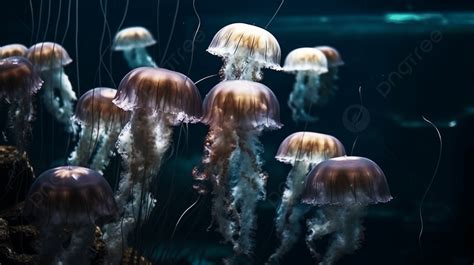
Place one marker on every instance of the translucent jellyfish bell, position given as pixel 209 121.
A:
pixel 303 150
pixel 306 59
pixel 246 104
pixel 310 147
pixel 342 188
pixel 12 50
pixel 58 96
pixel 346 180
pixel 246 49
pixel 101 122
pixel 65 203
pixel 132 42
pixel 332 55
pixel 18 83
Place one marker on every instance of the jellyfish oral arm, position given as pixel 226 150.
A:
pixel 305 89
pixel 88 137
pixel 138 57
pixel 106 146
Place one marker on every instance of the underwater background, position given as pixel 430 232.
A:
pixel 376 40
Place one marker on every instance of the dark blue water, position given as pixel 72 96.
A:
pixel 407 59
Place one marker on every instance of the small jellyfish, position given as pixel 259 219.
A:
pixel 18 83
pixel 158 99
pixel 58 96
pixel 133 42
pixel 342 188
pixel 245 50
pixel 308 64
pixel 237 112
pixel 65 203
pixel 12 50
pixel 303 150
pixel 328 80
pixel 101 122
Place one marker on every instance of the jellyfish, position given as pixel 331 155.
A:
pixel 133 42
pixel 65 203
pixel 245 50
pixel 303 150
pixel 158 99
pixel 58 96
pixel 328 87
pixel 342 188
pixel 237 112
pixel 101 122
pixel 18 83
pixel 308 64
pixel 13 50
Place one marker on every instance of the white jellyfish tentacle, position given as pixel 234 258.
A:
pixel 347 238
pixel 77 251
pixel 248 186
pixel 62 105
pixel 305 89
pixel 21 114
pixel 289 213
pixel 88 136
pixel 326 221
pixel 109 138
pixel 138 57
pixel 229 70
pixel 251 70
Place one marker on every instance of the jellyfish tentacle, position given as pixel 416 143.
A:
pixel 299 96
pixel 52 238
pixel 77 252
pixel 21 114
pixel 138 57
pixel 326 222
pixel 83 150
pixel 105 149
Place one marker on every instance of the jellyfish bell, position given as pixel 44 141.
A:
pixel 132 42
pixel 245 104
pixel 101 122
pixel 58 95
pixel 18 83
pixel 237 112
pixel 303 150
pixel 65 203
pixel 158 99
pixel 245 49
pixel 306 59
pixel 309 146
pixel 342 188
pixel 12 50
pixel 332 55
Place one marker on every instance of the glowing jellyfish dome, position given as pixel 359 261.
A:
pixel 58 95
pixel 245 50
pixel 342 188
pixel 18 83
pixel 65 203
pixel 12 50
pixel 132 42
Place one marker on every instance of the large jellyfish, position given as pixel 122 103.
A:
pixel 58 96
pixel 13 50
pixel 342 188
pixel 245 50
pixel 18 83
pixel 328 80
pixel 303 150
pixel 101 122
pixel 65 203
pixel 308 64
pixel 133 42
pixel 237 112
pixel 158 99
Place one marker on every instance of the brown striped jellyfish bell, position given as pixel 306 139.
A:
pixel 245 50
pixel 101 122
pixel 12 50
pixel 303 150
pixel 66 203
pixel 342 188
